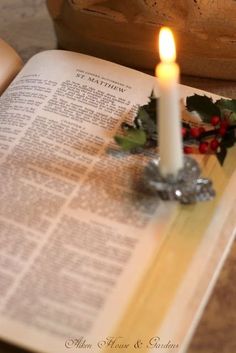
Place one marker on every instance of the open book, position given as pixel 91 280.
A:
pixel 88 262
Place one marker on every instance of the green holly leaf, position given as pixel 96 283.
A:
pixel 203 105
pixel 151 108
pixel 229 104
pixel 144 121
pixel 221 154
pixel 232 118
pixel 143 114
pixel 229 139
pixel 227 108
pixel 133 139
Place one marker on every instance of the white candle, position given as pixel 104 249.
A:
pixel 169 124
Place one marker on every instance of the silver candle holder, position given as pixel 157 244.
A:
pixel 187 187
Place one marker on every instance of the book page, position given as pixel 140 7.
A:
pixel 10 64
pixel 77 230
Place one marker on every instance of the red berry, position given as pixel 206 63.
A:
pixel 203 147
pixel 222 130
pixel 184 131
pixel 215 120
pixel 214 144
pixel 224 123
pixel 195 132
pixel 201 130
pixel 188 150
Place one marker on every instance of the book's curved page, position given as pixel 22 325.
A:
pixel 10 64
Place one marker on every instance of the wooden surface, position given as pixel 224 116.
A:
pixel 216 330
pixel 31 31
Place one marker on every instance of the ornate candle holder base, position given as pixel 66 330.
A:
pixel 187 188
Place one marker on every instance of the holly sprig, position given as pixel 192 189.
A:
pixel 218 116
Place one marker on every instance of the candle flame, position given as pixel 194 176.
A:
pixel 167 45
